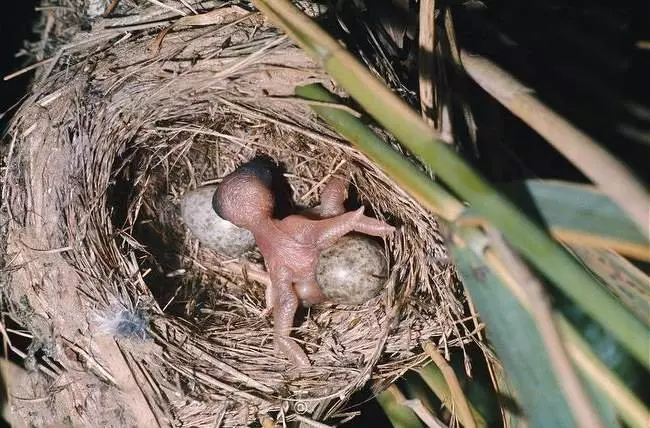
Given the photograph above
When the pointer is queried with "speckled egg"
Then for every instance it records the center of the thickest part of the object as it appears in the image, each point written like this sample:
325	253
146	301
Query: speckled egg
353	270
210	229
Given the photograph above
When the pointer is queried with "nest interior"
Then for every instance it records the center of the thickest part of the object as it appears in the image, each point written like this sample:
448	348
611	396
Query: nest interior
129	311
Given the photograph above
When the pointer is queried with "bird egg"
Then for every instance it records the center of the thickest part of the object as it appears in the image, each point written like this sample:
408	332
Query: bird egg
210	229
353	270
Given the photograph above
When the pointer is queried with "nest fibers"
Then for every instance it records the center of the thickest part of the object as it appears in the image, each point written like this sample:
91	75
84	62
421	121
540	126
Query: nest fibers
137	323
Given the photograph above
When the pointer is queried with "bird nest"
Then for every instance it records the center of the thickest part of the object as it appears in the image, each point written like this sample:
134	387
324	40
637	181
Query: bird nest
136	322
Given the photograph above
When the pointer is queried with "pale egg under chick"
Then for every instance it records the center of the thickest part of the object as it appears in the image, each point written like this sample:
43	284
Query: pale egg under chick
210	229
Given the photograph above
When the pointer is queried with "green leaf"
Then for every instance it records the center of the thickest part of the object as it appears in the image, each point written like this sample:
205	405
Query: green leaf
626	281
510	409
518	343
400	416
575	214
436	382
604	379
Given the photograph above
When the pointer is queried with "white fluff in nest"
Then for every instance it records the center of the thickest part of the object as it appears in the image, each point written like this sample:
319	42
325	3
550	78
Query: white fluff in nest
118	321
96	8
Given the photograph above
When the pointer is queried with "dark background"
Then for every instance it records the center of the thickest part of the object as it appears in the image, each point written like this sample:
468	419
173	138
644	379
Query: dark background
580	56
17	20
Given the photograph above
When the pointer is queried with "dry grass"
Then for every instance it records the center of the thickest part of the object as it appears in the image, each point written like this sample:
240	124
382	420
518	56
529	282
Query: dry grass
101	155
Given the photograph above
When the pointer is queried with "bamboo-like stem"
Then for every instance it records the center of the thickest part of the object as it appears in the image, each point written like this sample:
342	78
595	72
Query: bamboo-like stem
424	414
369	143
593	160
393	402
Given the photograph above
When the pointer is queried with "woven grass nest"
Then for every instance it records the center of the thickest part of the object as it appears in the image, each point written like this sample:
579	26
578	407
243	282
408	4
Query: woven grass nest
134	322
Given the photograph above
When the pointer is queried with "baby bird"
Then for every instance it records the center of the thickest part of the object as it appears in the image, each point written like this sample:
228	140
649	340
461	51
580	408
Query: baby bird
290	246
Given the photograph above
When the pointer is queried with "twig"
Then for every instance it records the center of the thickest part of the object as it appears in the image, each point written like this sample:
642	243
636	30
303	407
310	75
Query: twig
21	354
214	382
91	363
110	8
423	413
168	7
450	32
189	6
308	421
323	180
71	47
457	395
239	376
49	250
248	271
140	389
426	75
26	69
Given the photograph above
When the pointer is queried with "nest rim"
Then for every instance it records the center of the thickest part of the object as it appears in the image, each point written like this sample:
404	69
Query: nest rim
92	150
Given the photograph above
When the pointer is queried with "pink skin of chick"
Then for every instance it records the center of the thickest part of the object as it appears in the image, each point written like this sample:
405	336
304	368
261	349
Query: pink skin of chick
291	246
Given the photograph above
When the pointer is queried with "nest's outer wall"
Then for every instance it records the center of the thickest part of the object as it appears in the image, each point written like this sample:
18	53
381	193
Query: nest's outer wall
66	138
45	288
69	264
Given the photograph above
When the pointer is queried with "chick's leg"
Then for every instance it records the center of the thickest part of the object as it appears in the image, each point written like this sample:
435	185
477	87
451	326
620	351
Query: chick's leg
269	294
372	226
284	310
326	232
333	197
